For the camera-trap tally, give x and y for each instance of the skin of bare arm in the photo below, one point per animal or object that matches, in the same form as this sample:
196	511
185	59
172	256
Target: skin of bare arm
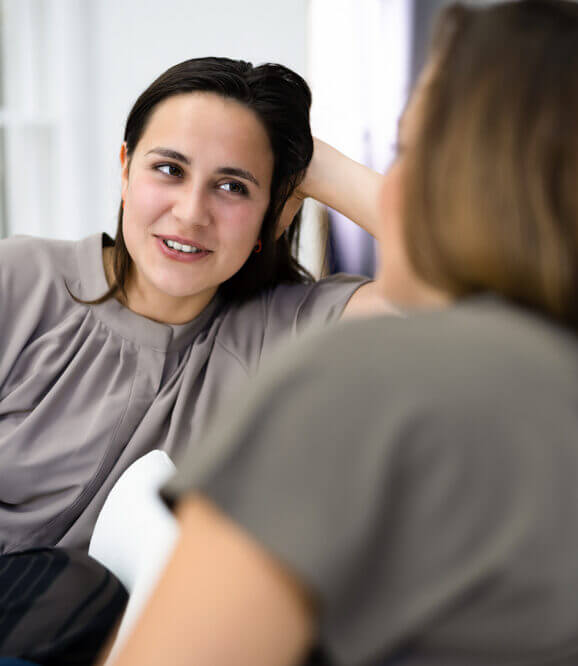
355	191
222	600
341	183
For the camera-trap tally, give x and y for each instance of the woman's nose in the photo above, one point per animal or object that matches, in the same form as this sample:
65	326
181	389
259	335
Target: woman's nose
191	206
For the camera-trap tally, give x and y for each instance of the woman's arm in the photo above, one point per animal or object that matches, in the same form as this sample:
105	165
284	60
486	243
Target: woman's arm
345	185
222	600
341	183
355	191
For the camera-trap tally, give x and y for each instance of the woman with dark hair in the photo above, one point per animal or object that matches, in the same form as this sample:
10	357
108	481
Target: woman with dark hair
279	100
114	348
415	503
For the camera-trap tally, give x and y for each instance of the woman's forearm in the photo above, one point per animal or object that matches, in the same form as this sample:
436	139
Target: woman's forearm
345	185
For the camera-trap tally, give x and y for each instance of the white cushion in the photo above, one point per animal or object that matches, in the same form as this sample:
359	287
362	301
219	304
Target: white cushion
135	533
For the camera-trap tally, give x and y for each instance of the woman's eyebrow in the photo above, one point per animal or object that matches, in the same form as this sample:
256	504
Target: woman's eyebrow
240	173
171	154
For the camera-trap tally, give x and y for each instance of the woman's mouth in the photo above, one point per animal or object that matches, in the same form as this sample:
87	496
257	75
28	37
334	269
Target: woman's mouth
181	247
181	251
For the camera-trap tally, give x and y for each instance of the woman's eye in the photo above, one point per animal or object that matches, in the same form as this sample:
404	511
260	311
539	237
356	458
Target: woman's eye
234	187
170	170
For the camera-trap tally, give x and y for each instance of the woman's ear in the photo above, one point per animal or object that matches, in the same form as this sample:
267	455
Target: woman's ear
124	169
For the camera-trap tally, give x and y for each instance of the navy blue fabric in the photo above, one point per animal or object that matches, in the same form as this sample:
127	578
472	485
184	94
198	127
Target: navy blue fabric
57	607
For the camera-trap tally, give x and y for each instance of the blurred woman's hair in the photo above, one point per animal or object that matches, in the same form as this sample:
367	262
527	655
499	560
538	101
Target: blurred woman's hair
491	183
281	100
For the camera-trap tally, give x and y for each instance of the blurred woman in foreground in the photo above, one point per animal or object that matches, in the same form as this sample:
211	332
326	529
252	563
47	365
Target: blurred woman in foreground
404	491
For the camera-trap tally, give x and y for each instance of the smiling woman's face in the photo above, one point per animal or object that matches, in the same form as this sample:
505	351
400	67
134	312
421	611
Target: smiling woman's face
195	192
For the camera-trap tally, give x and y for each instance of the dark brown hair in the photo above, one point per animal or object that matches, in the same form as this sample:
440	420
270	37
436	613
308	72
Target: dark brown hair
491	181
281	100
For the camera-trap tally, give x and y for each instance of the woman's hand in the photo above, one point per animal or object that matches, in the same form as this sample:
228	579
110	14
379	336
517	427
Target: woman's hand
341	183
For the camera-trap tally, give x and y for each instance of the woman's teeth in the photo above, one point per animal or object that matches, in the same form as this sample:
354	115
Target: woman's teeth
180	247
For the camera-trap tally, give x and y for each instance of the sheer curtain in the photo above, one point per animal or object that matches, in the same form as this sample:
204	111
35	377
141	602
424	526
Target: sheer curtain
3	220
359	70
44	73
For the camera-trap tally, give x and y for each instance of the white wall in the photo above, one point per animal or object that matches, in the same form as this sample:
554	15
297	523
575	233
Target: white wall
75	67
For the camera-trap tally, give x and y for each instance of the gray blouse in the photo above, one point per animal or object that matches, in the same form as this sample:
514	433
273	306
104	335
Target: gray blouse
420	476
85	390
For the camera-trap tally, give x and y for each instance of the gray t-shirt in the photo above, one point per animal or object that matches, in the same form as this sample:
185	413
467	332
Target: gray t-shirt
421	476
86	390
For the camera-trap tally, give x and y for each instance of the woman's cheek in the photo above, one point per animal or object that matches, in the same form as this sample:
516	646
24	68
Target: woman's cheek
244	223
147	196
